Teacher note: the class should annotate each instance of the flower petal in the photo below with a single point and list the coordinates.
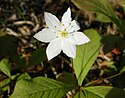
(66, 18)
(51, 20)
(79, 38)
(73, 27)
(54, 48)
(68, 48)
(45, 35)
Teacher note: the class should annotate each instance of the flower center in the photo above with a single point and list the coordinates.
(64, 34)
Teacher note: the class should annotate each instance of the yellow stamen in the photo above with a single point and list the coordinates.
(64, 34)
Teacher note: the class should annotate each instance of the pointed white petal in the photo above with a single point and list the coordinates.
(68, 48)
(79, 38)
(54, 48)
(51, 20)
(45, 35)
(66, 18)
(73, 27)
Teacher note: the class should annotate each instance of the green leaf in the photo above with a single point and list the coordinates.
(5, 67)
(103, 18)
(86, 55)
(98, 6)
(79, 94)
(102, 7)
(66, 77)
(122, 3)
(24, 76)
(8, 46)
(14, 77)
(19, 61)
(36, 57)
(124, 9)
(103, 92)
(40, 87)
(4, 85)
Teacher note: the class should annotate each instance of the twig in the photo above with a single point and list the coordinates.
(100, 80)
(23, 22)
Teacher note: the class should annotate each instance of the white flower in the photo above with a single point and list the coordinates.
(63, 36)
